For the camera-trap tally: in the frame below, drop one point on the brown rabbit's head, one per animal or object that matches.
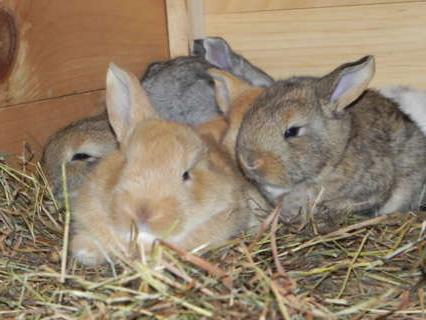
(79, 146)
(300, 126)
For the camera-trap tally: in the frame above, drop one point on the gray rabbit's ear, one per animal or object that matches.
(227, 88)
(127, 103)
(218, 52)
(345, 84)
(215, 50)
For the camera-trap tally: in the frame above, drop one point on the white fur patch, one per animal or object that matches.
(145, 236)
(275, 192)
(411, 101)
(86, 257)
(397, 201)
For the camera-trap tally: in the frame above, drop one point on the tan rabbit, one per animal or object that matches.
(331, 145)
(80, 145)
(180, 90)
(165, 181)
(234, 97)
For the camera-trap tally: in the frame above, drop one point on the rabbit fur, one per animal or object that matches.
(411, 101)
(180, 90)
(165, 181)
(329, 145)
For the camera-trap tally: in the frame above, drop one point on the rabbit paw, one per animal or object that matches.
(85, 250)
(299, 209)
(296, 206)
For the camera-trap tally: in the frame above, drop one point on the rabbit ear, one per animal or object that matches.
(218, 52)
(345, 84)
(127, 103)
(215, 50)
(227, 88)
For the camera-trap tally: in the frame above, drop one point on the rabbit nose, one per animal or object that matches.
(143, 213)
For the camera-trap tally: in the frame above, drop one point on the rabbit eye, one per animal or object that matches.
(291, 132)
(81, 157)
(186, 176)
(210, 82)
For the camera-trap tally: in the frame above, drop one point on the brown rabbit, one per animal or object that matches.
(80, 145)
(332, 145)
(165, 181)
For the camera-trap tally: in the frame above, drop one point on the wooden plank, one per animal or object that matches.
(185, 22)
(65, 46)
(234, 6)
(178, 28)
(33, 123)
(196, 19)
(312, 41)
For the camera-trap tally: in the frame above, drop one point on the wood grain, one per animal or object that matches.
(178, 27)
(234, 6)
(64, 46)
(313, 41)
(32, 123)
(196, 20)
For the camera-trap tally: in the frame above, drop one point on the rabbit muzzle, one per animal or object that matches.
(265, 170)
(251, 164)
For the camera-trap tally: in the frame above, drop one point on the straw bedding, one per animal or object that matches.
(369, 269)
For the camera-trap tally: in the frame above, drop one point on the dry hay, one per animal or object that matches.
(372, 269)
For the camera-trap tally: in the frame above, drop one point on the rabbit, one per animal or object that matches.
(165, 181)
(411, 101)
(234, 97)
(180, 89)
(323, 146)
(217, 51)
(80, 145)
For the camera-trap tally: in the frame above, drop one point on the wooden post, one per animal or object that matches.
(185, 22)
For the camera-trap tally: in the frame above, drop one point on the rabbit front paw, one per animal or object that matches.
(85, 250)
(300, 209)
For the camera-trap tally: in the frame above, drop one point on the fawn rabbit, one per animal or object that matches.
(165, 181)
(333, 143)
(234, 97)
(180, 90)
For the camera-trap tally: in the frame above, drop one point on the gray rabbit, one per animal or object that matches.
(325, 146)
(179, 89)
(182, 90)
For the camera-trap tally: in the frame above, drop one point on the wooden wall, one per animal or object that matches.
(61, 54)
(309, 37)
(59, 51)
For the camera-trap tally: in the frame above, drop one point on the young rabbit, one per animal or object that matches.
(180, 90)
(411, 101)
(80, 145)
(330, 145)
(165, 181)
(234, 98)
(217, 51)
